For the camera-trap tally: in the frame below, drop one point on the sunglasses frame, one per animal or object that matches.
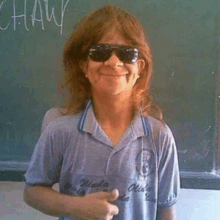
(107, 50)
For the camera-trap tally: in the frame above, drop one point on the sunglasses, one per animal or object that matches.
(102, 52)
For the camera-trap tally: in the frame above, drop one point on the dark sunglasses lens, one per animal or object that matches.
(100, 54)
(128, 55)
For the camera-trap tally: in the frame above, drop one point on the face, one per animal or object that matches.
(112, 77)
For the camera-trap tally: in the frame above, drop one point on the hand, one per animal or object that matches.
(97, 206)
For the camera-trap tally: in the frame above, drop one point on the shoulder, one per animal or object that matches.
(156, 127)
(55, 120)
(160, 132)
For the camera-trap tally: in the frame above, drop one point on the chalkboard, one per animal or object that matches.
(184, 39)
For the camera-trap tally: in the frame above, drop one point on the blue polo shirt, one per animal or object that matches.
(75, 152)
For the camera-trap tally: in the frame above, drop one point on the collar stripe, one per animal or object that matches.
(83, 117)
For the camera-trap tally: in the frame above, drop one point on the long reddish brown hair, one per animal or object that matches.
(89, 31)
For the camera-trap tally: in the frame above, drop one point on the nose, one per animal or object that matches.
(114, 61)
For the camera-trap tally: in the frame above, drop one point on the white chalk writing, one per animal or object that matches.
(37, 10)
(37, 2)
(4, 28)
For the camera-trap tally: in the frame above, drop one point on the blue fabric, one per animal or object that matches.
(75, 151)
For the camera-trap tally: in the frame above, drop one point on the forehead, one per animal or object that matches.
(114, 37)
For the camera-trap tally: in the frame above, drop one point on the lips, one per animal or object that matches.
(114, 74)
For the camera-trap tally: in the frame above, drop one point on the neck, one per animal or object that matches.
(114, 111)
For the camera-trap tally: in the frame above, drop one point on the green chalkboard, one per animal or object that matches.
(184, 39)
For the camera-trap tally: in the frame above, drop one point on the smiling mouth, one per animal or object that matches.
(114, 75)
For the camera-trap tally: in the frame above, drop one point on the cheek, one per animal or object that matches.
(92, 71)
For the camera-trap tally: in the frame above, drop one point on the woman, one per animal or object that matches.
(112, 158)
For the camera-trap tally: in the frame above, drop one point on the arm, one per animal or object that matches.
(93, 206)
(167, 213)
(47, 200)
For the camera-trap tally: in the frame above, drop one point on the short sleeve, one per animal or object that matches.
(168, 170)
(46, 161)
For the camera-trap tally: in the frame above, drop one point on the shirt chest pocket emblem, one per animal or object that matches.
(145, 163)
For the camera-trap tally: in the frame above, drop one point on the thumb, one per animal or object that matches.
(112, 196)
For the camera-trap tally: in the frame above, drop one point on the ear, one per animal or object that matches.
(84, 66)
(141, 65)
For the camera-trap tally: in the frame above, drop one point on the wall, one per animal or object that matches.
(192, 204)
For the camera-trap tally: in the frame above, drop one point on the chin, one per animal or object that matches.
(115, 93)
